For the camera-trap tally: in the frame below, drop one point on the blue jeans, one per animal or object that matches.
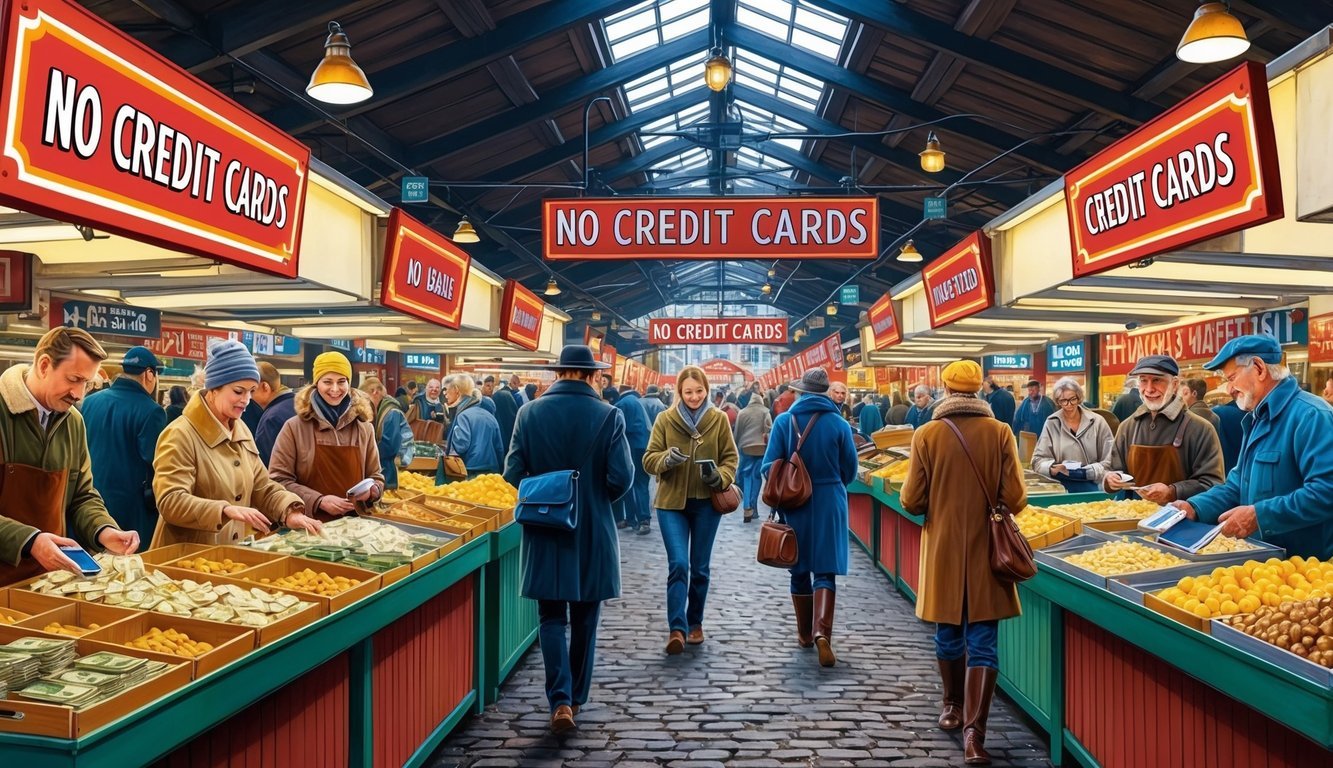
(688, 535)
(801, 583)
(568, 665)
(633, 506)
(979, 639)
(750, 479)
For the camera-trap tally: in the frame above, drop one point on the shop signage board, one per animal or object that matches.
(521, 316)
(718, 330)
(16, 294)
(860, 377)
(425, 275)
(935, 208)
(711, 228)
(271, 344)
(189, 343)
(1065, 356)
(1202, 169)
(883, 317)
(959, 283)
(720, 371)
(1007, 362)
(607, 354)
(826, 354)
(1197, 342)
(114, 319)
(101, 130)
(815, 322)
(342, 345)
(416, 189)
(849, 295)
(366, 356)
(420, 361)
(1321, 339)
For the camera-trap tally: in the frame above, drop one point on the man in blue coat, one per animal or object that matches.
(1031, 414)
(279, 406)
(506, 410)
(829, 454)
(570, 573)
(1282, 487)
(1230, 432)
(1001, 401)
(118, 417)
(653, 404)
(632, 510)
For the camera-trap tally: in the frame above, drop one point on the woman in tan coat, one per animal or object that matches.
(210, 484)
(329, 445)
(957, 589)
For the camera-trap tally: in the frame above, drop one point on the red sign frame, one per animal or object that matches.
(884, 325)
(519, 305)
(101, 130)
(951, 292)
(1162, 187)
(185, 342)
(410, 243)
(717, 330)
(717, 228)
(1321, 339)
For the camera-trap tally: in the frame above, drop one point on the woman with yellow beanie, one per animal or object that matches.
(329, 445)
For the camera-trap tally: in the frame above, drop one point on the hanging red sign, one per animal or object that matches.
(425, 275)
(521, 316)
(189, 343)
(1198, 341)
(884, 323)
(102, 131)
(711, 228)
(607, 354)
(959, 283)
(1321, 339)
(719, 330)
(1202, 169)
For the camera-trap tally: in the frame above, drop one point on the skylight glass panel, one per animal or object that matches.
(654, 23)
(797, 23)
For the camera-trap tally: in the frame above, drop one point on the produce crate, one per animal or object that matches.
(892, 436)
(1272, 654)
(39, 719)
(251, 557)
(230, 641)
(369, 580)
(171, 552)
(424, 464)
(79, 614)
(445, 506)
(1054, 558)
(1262, 551)
(1065, 532)
(398, 496)
(14, 605)
(1114, 526)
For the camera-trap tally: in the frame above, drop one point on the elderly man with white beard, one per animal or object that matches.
(1163, 452)
(1282, 486)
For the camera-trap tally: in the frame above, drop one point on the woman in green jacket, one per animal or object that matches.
(692, 453)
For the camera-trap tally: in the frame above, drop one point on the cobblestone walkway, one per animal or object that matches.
(748, 696)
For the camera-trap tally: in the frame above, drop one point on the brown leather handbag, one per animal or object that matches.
(777, 543)
(1011, 559)
(726, 500)
(788, 485)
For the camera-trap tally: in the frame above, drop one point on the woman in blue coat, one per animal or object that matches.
(829, 454)
(871, 420)
(570, 573)
(473, 433)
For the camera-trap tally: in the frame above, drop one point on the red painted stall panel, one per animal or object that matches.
(909, 551)
(1130, 708)
(302, 724)
(423, 669)
(859, 508)
(888, 539)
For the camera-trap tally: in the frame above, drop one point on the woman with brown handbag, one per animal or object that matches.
(828, 454)
(958, 590)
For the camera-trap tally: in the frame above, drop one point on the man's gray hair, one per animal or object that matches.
(920, 390)
(1278, 372)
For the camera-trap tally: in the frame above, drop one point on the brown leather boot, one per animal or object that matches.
(804, 606)
(824, 601)
(980, 688)
(951, 678)
(562, 719)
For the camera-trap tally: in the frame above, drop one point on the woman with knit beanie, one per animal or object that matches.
(329, 445)
(211, 486)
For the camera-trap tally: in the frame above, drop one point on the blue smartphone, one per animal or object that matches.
(87, 565)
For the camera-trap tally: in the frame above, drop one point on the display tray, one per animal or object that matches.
(1271, 653)
(1133, 586)
(15, 611)
(1262, 551)
(76, 613)
(246, 555)
(398, 496)
(61, 722)
(1054, 557)
(369, 580)
(270, 632)
(445, 506)
(1114, 525)
(1069, 530)
(439, 527)
(171, 552)
(230, 641)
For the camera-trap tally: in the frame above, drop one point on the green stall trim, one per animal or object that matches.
(441, 731)
(1077, 751)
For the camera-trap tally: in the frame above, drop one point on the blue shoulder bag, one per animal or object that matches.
(551, 499)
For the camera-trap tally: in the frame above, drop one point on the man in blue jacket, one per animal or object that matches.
(392, 435)
(118, 417)
(1030, 415)
(1230, 432)
(1282, 486)
(1001, 401)
(632, 510)
(279, 405)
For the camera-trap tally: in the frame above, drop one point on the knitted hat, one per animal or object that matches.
(228, 361)
(332, 362)
(962, 376)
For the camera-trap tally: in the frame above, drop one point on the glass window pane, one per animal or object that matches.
(636, 44)
(817, 45)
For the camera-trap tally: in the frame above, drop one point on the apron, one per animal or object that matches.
(1157, 463)
(35, 497)
(335, 469)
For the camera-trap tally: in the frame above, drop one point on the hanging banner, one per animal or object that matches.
(720, 371)
(1197, 342)
(586, 228)
(362, 355)
(826, 354)
(425, 275)
(114, 319)
(1202, 169)
(883, 319)
(723, 330)
(190, 343)
(1321, 339)
(959, 282)
(521, 316)
(860, 377)
(103, 131)
(1065, 356)
(270, 344)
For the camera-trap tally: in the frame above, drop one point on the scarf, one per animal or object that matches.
(332, 413)
(693, 417)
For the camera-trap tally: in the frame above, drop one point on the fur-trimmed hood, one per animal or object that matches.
(961, 405)
(359, 410)
(15, 392)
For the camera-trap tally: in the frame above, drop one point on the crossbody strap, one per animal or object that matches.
(990, 500)
(800, 439)
(593, 445)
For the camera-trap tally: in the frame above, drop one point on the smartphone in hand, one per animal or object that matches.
(706, 466)
(87, 565)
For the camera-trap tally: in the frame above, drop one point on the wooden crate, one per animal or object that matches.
(445, 506)
(399, 495)
(171, 552)
(414, 512)
(79, 614)
(230, 641)
(271, 632)
(1155, 603)
(248, 555)
(13, 603)
(369, 581)
(1069, 530)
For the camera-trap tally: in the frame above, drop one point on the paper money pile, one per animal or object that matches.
(16, 671)
(51, 655)
(92, 679)
(359, 542)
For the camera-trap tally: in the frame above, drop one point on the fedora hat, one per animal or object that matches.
(578, 357)
(812, 382)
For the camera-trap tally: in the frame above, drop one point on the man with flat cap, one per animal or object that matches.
(1168, 453)
(1282, 487)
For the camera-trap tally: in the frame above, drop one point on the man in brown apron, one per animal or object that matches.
(46, 478)
(1168, 453)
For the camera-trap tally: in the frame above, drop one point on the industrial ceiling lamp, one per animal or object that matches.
(772, 272)
(767, 289)
(717, 70)
(831, 309)
(932, 157)
(337, 79)
(596, 316)
(551, 288)
(465, 233)
(909, 254)
(1213, 35)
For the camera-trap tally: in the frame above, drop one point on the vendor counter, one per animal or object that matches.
(1113, 683)
(379, 682)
